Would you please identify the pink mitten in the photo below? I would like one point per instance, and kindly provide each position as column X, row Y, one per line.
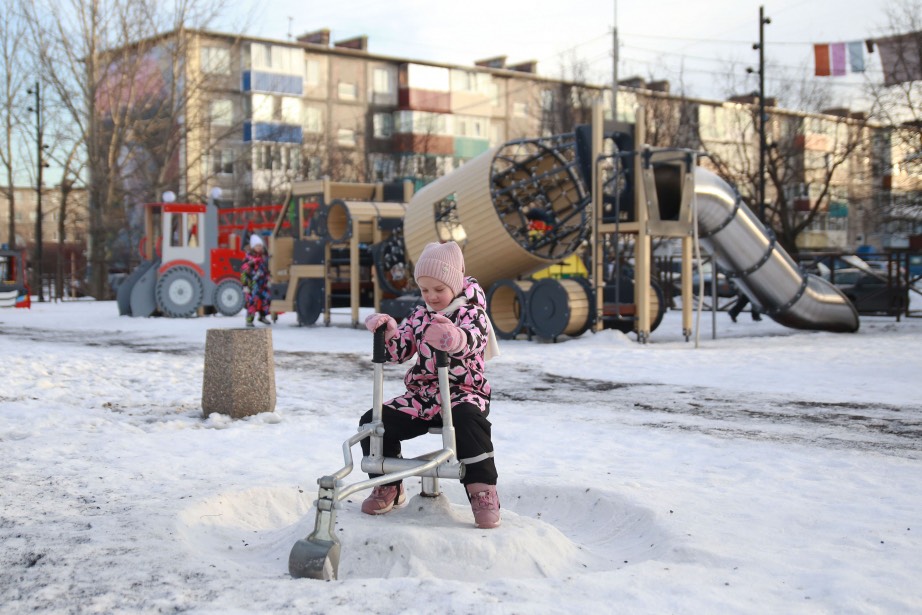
column 376, row 320
column 445, row 335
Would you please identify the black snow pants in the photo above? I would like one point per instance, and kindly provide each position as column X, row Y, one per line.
column 472, row 437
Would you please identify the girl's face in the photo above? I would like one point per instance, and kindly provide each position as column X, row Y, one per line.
column 437, row 294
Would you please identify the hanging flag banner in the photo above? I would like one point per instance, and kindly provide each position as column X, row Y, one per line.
column 901, row 57
column 838, row 59
column 821, row 55
column 856, row 56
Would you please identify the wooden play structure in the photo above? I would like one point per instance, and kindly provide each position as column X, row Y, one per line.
column 533, row 203
column 516, row 209
column 338, row 244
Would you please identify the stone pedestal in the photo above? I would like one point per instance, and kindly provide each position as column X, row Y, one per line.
column 239, row 376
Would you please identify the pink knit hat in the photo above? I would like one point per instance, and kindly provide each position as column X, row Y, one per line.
column 444, row 262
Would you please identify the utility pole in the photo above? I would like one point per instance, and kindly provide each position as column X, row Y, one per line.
column 763, row 147
column 42, row 165
column 614, row 68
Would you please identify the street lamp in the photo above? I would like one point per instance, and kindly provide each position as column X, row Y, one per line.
column 760, row 46
column 42, row 165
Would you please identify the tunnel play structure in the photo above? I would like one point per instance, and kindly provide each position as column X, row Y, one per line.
column 525, row 205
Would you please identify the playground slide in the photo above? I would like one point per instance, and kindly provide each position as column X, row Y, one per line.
column 760, row 267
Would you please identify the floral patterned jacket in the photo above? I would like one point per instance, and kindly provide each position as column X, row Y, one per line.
column 465, row 369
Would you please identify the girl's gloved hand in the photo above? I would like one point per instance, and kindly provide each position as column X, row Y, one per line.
column 377, row 319
column 445, row 335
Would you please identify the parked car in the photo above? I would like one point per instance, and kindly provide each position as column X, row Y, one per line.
column 724, row 288
column 871, row 292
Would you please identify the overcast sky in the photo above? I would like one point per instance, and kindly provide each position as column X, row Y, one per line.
column 696, row 43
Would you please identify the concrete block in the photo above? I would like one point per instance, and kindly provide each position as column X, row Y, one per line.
column 239, row 375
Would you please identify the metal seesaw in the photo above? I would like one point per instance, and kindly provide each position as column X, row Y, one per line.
column 317, row 555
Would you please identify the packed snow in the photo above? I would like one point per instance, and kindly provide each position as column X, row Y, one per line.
column 750, row 469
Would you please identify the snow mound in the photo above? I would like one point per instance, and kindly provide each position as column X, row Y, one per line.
column 545, row 534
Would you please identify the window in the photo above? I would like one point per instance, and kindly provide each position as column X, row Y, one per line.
column 215, row 61
column 221, row 113
column 312, row 120
column 192, row 237
column 290, row 111
column 347, row 91
column 314, row 167
column 262, row 107
column 223, row 162
column 311, row 73
column 467, row 126
column 548, row 100
column 277, row 158
column 277, row 59
column 176, row 230
column 520, row 109
column 345, row 137
column 381, row 81
column 263, row 154
column 383, row 125
column 492, row 90
column 422, row 122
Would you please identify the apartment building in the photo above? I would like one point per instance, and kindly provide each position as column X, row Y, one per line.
column 263, row 112
column 272, row 111
column 68, row 224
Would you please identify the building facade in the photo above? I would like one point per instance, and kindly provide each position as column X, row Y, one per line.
column 261, row 113
column 67, row 224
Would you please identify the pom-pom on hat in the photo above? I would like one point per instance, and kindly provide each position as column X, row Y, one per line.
column 444, row 262
column 255, row 240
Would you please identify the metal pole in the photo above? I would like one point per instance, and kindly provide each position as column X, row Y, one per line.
column 37, row 260
column 614, row 68
column 761, row 114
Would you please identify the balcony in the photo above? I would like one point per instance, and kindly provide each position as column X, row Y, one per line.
column 275, row 83
column 275, row 133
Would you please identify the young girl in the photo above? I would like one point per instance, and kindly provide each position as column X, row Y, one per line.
column 254, row 275
column 454, row 320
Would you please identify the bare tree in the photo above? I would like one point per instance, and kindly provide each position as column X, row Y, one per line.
column 128, row 102
column 568, row 102
column 898, row 106
column 807, row 162
column 13, row 75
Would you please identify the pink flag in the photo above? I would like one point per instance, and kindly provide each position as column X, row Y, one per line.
column 837, row 51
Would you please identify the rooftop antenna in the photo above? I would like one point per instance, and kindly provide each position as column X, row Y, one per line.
column 290, row 18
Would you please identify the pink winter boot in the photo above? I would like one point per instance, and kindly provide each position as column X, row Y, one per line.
column 383, row 499
column 485, row 504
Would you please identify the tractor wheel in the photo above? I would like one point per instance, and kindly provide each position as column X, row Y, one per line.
column 309, row 301
column 228, row 297
column 179, row 292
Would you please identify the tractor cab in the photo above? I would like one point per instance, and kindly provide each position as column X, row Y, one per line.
column 175, row 232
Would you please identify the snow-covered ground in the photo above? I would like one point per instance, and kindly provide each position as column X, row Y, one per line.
column 766, row 471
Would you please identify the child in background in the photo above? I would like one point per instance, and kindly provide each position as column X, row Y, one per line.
column 453, row 320
column 254, row 275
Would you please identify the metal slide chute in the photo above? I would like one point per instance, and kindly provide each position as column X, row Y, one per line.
column 760, row 267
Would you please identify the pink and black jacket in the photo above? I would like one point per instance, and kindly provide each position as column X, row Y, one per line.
column 466, row 368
